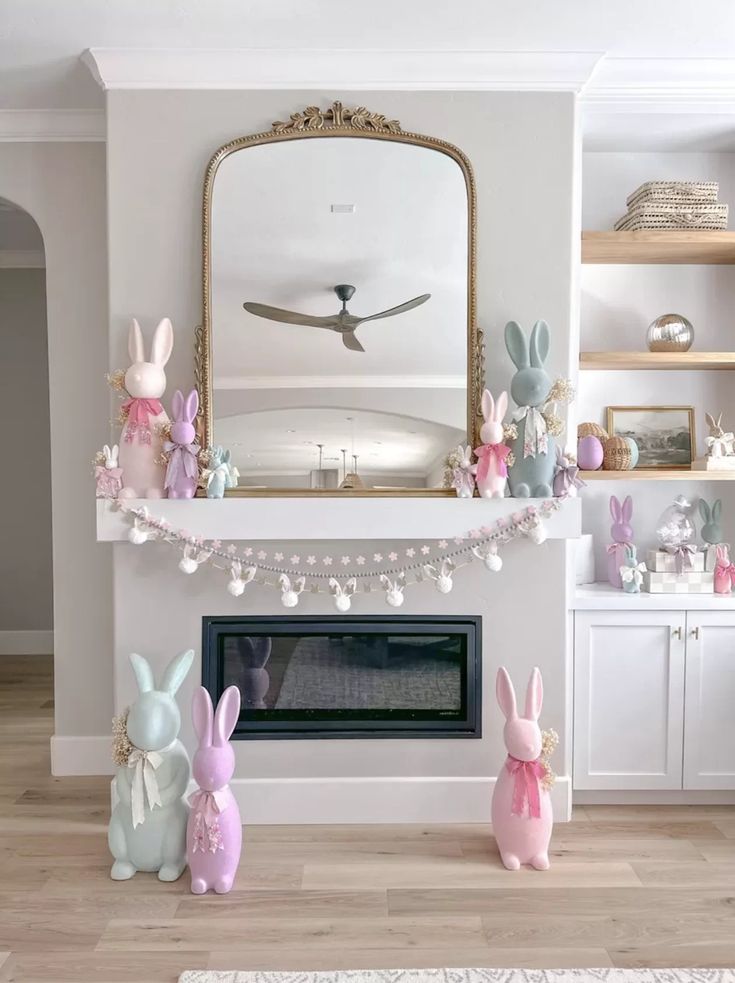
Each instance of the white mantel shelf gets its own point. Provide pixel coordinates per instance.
(299, 519)
(603, 597)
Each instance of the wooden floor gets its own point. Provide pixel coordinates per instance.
(628, 886)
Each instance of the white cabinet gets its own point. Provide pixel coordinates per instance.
(709, 715)
(654, 700)
(628, 699)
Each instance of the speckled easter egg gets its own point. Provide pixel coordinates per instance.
(589, 453)
(633, 451)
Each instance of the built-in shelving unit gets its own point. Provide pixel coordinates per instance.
(657, 360)
(656, 474)
(658, 247)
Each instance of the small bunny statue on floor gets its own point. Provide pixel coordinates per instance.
(148, 824)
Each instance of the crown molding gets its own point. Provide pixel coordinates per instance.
(271, 68)
(52, 125)
(662, 85)
(22, 259)
(238, 383)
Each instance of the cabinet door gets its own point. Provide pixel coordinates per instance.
(709, 722)
(628, 699)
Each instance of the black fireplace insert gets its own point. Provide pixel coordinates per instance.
(370, 676)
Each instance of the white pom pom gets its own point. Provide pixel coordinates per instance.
(394, 598)
(137, 536)
(493, 561)
(289, 599)
(537, 533)
(342, 602)
(236, 587)
(444, 584)
(188, 564)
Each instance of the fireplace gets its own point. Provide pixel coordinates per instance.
(367, 677)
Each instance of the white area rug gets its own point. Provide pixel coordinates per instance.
(468, 976)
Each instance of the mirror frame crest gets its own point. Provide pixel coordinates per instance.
(338, 121)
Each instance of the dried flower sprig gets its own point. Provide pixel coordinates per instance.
(549, 742)
(121, 745)
(554, 423)
(562, 391)
(510, 432)
(116, 381)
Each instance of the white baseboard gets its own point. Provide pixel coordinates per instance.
(658, 797)
(304, 801)
(26, 642)
(81, 756)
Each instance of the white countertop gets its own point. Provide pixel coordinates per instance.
(316, 518)
(603, 597)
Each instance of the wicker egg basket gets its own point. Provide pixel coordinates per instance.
(617, 454)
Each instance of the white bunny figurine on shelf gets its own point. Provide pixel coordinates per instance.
(491, 469)
(719, 443)
(148, 824)
(463, 473)
(141, 442)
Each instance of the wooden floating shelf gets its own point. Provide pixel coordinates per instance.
(658, 247)
(654, 474)
(657, 360)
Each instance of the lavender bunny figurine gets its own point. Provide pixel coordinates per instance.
(214, 833)
(621, 532)
(182, 472)
(534, 448)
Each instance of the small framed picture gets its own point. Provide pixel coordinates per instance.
(664, 434)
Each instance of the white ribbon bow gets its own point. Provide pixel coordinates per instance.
(535, 438)
(222, 471)
(633, 575)
(144, 782)
(720, 446)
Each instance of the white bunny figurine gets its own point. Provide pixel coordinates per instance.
(719, 443)
(442, 577)
(342, 595)
(141, 442)
(108, 476)
(393, 590)
(463, 474)
(491, 468)
(290, 592)
(148, 824)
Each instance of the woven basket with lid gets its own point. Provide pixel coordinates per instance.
(591, 430)
(674, 192)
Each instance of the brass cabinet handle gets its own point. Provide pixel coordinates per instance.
(695, 633)
(676, 633)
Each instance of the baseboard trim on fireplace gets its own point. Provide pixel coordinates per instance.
(305, 801)
(35, 642)
(81, 756)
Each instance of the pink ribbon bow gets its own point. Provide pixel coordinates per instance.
(527, 776)
(207, 807)
(139, 412)
(683, 556)
(483, 455)
(613, 546)
(182, 463)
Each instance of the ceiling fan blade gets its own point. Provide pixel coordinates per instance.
(351, 342)
(290, 317)
(408, 306)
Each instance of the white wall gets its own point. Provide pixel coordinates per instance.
(25, 559)
(62, 186)
(617, 305)
(159, 144)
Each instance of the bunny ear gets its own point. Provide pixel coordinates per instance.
(515, 344)
(385, 581)
(719, 419)
(501, 407)
(615, 509)
(106, 450)
(163, 342)
(710, 420)
(505, 693)
(534, 695)
(704, 510)
(192, 405)
(539, 344)
(285, 581)
(334, 586)
(114, 453)
(488, 405)
(226, 715)
(202, 715)
(135, 342)
(175, 672)
(143, 673)
(177, 405)
(430, 571)
(350, 587)
(627, 508)
(299, 585)
(717, 510)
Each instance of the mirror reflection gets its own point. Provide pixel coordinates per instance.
(339, 312)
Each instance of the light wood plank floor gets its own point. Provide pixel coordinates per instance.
(628, 886)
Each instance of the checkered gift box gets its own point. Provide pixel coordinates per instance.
(662, 562)
(691, 582)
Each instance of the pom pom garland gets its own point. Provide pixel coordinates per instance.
(238, 582)
(342, 595)
(537, 533)
(490, 557)
(442, 577)
(290, 593)
(187, 564)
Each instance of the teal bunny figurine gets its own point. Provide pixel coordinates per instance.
(631, 572)
(534, 449)
(217, 472)
(712, 528)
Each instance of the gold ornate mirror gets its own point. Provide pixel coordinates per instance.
(339, 352)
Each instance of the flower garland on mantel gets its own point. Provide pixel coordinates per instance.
(249, 564)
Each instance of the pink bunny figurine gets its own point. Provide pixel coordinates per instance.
(182, 472)
(108, 476)
(214, 832)
(140, 442)
(522, 814)
(621, 533)
(724, 570)
(491, 468)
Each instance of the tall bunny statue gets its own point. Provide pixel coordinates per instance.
(182, 471)
(621, 533)
(214, 831)
(491, 469)
(148, 824)
(534, 449)
(522, 815)
(141, 444)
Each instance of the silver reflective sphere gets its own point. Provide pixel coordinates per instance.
(670, 333)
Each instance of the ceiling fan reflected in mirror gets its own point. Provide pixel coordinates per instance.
(343, 323)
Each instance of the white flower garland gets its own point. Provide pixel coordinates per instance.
(437, 563)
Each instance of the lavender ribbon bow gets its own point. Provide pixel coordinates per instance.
(683, 555)
(566, 475)
(182, 462)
